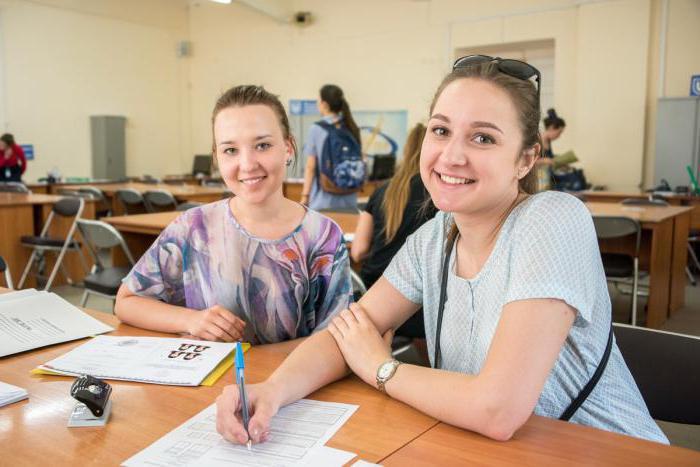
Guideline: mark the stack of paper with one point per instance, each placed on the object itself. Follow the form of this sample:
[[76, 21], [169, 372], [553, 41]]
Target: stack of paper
[[297, 436], [30, 319], [10, 394], [157, 360]]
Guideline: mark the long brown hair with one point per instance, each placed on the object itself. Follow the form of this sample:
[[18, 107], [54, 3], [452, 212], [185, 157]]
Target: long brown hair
[[334, 97], [399, 187], [523, 94], [248, 94]]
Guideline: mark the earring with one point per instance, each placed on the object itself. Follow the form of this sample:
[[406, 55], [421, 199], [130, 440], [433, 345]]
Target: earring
[[289, 162]]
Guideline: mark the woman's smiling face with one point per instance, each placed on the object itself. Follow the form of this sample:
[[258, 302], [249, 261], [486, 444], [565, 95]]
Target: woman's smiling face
[[251, 151], [470, 158]]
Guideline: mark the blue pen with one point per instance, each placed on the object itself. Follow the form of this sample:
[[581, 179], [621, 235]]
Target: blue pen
[[240, 381]]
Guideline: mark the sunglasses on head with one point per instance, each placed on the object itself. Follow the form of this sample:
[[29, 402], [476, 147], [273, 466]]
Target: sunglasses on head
[[510, 67]]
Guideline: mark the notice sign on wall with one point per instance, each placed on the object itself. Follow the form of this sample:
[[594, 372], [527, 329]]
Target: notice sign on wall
[[695, 85], [28, 151]]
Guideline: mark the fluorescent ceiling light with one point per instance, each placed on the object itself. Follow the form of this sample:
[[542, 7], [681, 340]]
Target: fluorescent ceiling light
[[222, 1]]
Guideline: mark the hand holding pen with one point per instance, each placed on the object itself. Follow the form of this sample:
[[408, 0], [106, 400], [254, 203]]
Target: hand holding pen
[[240, 381]]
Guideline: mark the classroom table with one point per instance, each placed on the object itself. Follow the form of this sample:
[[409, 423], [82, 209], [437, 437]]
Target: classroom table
[[663, 252], [674, 199], [140, 230], [293, 187], [34, 432], [182, 193], [25, 214]]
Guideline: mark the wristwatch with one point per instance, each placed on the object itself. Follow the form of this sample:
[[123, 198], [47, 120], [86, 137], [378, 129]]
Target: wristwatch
[[385, 372]]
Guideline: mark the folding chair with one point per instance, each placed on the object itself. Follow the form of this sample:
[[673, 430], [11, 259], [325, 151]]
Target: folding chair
[[619, 265], [103, 280], [666, 368], [5, 270], [131, 200], [14, 187], [65, 207], [103, 209], [159, 201]]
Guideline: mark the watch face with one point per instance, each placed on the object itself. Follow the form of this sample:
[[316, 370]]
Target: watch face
[[385, 370]]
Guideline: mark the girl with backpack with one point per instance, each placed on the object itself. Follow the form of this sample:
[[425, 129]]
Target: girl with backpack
[[256, 267], [331, 140]]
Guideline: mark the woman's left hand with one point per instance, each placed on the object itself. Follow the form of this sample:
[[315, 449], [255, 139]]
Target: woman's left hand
[[363, 348]]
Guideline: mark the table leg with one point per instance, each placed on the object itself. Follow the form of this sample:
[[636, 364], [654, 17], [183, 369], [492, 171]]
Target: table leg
[[681, 229], [659, 273]]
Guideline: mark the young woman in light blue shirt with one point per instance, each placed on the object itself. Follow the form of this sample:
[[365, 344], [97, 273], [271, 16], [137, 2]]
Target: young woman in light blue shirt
[[524, 324]]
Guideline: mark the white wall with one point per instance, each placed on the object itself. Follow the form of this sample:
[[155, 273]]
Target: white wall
[[65, 61]]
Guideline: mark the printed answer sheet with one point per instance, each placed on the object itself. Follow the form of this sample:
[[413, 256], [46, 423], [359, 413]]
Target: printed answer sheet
[[158, 360], [297, 436], [30, 319]]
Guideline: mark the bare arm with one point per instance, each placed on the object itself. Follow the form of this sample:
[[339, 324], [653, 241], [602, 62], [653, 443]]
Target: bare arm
[[309, 172], [362, 241], [215, 323], [498, 400]]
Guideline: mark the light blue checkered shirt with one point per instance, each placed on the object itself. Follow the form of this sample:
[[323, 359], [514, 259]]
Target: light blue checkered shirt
[[547, 248]]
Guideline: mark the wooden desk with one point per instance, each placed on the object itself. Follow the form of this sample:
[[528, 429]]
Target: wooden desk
[[292, 188], [541, 442], [182, 193], [672, 199], [663, 252], [34, 432], [25, 214], [140, 230]]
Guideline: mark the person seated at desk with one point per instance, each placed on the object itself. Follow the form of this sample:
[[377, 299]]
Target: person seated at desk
[[256, 267], [13, 162], [394, 211], [523, 325]]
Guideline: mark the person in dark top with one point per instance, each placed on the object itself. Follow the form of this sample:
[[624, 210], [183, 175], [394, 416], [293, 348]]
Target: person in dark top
[[553, 127], [13, 163], [394, 211]]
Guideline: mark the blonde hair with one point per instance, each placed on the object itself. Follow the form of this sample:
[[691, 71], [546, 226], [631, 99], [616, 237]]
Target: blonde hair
[[399, 187]]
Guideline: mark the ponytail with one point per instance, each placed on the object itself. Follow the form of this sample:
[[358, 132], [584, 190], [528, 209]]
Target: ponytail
[[350, 122]]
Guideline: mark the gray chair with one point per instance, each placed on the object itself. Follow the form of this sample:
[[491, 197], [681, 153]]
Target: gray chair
[[132, 201], [102, 209], [69, 207], [358, 285], [188, 205], [103, 280], [619, 265], [693, 238], [5, 270], [666, 368], [14, 187], [159, 201]]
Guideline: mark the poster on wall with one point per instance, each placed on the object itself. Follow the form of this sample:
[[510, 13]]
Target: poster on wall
[[695, 85], [28, 151]]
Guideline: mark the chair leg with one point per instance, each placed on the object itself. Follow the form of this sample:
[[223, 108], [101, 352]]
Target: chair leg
[[691, 277], [65, 274], [635, 286], [693, 256], [27, 268], [84, 299]]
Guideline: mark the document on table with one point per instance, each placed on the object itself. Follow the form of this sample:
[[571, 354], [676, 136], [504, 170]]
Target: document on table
[[10, 394], [297, 436], [30, 319], [157, 360]]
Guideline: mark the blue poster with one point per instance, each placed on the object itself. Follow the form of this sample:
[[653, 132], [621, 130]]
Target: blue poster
[[695, 85], [28, 151], [303, 107]]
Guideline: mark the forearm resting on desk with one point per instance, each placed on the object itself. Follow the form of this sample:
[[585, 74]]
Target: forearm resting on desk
[[314, 363], [149, 313]]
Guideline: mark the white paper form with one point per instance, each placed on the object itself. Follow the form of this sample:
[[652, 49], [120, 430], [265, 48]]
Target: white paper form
[[31, 319], [10, 394], [297, 435], [157, 360]]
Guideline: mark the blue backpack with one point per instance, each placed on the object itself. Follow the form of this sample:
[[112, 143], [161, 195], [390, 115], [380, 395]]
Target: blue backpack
[[341, 168]]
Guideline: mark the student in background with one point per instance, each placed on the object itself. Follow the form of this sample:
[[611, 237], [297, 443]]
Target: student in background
[[256, 267], [521, 332], [394, 211], [553, 128], [13, 163], [334, 110]]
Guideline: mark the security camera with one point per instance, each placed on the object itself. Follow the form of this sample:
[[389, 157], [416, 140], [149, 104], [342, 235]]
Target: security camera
[[302, 18]]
